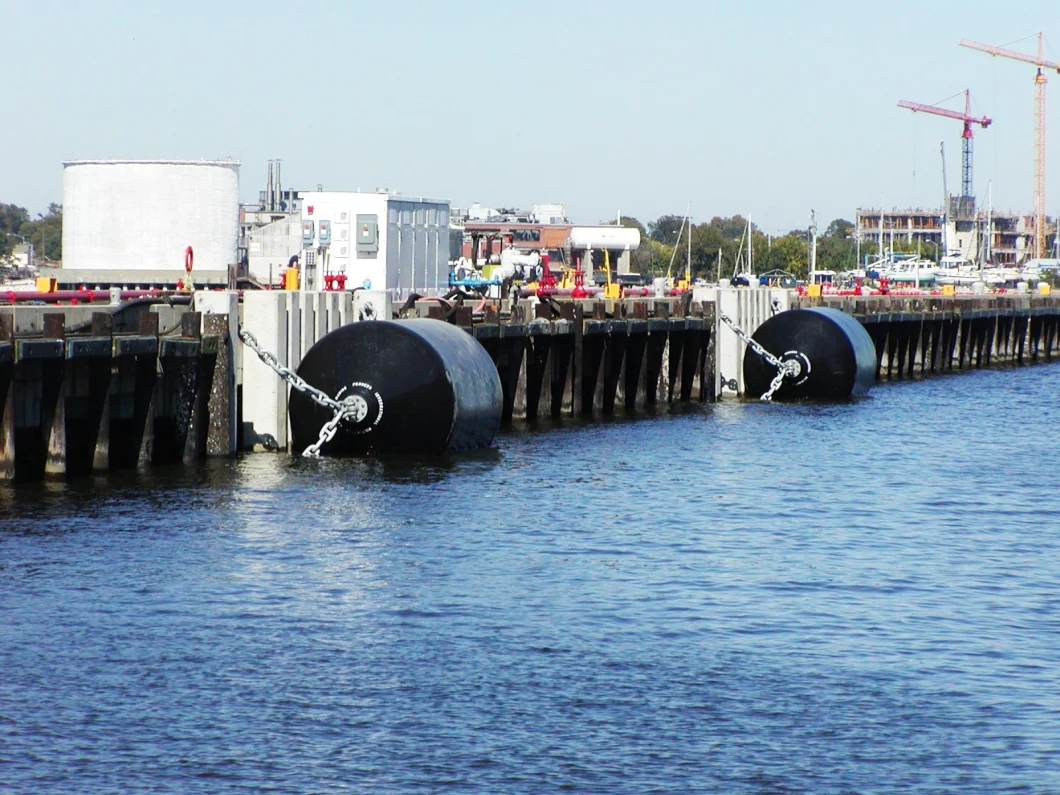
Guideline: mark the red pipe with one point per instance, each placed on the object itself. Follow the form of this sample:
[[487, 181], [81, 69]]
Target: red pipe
[[88, 296]]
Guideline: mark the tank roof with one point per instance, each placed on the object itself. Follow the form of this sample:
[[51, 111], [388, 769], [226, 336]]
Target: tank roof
[[151, 162]]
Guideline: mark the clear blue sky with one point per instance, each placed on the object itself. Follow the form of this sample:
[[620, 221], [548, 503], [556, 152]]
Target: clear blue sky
[[767, 108]]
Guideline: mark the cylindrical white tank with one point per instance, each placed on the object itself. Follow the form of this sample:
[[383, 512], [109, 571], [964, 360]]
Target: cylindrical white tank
[[512, 257], [611, 237], [143, 214]]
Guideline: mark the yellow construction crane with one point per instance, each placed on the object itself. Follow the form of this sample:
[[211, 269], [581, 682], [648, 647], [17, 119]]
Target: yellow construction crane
[[1039, 125]]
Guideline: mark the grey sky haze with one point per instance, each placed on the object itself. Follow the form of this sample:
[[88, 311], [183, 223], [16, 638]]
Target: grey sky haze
[[761, 108]]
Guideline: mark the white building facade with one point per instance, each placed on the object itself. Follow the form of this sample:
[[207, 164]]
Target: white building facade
[[376, 240]]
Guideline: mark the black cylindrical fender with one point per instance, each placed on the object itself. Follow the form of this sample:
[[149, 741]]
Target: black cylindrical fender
[[418, 386], [835, 353]]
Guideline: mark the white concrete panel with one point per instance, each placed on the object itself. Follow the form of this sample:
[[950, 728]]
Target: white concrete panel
[[748, 308], [271, 247], [308, 328], [338, 310], [320, 314], [264, 392], [371, 305]]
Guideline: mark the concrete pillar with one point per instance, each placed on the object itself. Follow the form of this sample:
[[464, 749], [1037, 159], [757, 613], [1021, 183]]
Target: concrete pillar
[[321, 304], [307, 329], [294, 345], [264, 392]]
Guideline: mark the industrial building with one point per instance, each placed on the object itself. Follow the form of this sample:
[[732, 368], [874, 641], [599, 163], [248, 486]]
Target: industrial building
[[545, 228], [378, 240], [270, 232], [961, 234]]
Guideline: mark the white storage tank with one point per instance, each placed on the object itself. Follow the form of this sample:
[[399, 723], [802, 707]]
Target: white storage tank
[[611, 237], [141, 215]]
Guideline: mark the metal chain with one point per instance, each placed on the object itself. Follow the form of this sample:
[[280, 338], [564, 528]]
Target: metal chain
[[789, 368], [342, 408], [327, 433], [751, 343]]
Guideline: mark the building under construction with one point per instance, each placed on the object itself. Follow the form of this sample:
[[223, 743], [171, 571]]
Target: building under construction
[[961, 233]]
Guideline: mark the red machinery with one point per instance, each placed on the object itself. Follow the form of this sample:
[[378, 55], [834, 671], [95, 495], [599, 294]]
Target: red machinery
[[547, 285], [579, 290]]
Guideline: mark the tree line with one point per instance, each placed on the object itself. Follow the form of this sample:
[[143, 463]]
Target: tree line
[[45, 231], [720, 248]]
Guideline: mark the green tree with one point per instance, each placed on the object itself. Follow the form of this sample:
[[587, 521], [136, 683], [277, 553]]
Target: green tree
[[789, 253], [11, 219], [732, 228], [665, 228], [45, 232], [840, 228]]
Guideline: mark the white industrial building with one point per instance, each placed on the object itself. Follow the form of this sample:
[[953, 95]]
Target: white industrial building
[[270, 246], [131, 221], [377, 240]]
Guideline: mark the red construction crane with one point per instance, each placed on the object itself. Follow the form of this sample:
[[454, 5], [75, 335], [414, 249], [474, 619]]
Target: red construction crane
[[966, 136], [1039, 125]]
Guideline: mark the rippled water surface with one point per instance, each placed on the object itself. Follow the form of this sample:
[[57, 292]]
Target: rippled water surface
[[744, 598]]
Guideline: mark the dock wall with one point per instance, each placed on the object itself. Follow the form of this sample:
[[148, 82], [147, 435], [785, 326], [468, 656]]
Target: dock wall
[[917, 336], [94, 388], [99, 387], [575, 358]]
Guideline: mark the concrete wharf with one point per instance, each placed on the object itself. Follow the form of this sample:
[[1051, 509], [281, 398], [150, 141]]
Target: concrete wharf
[[164, 379], [588, 359], [917, 336]]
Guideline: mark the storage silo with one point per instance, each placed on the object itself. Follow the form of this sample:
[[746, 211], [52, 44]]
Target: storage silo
[[141, 215]]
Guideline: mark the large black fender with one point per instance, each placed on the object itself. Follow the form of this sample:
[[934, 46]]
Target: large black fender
[[417, 386], [836, 357]]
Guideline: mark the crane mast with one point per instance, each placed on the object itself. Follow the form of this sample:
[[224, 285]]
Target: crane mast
[[966, 147], [1040, 82]]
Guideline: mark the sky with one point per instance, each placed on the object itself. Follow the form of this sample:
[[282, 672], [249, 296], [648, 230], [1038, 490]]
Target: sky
[[768, 109]]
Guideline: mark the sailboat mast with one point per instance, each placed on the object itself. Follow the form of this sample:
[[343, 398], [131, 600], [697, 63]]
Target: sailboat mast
[[989, 246], [880, 249], [813, 246], [750, 250], [688, 260]]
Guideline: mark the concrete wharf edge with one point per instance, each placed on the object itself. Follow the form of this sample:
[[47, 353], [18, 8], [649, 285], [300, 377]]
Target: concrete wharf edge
[[86, 389]]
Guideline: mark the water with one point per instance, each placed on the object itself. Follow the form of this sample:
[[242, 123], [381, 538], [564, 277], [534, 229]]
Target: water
[[745, 598]]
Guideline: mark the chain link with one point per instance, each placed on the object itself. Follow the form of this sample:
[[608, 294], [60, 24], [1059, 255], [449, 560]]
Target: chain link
[[342, 408], [789, 368], [327, 433], [750, 342]]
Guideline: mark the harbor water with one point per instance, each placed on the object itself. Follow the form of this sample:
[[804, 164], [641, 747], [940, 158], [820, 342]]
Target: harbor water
[[739, 598]]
